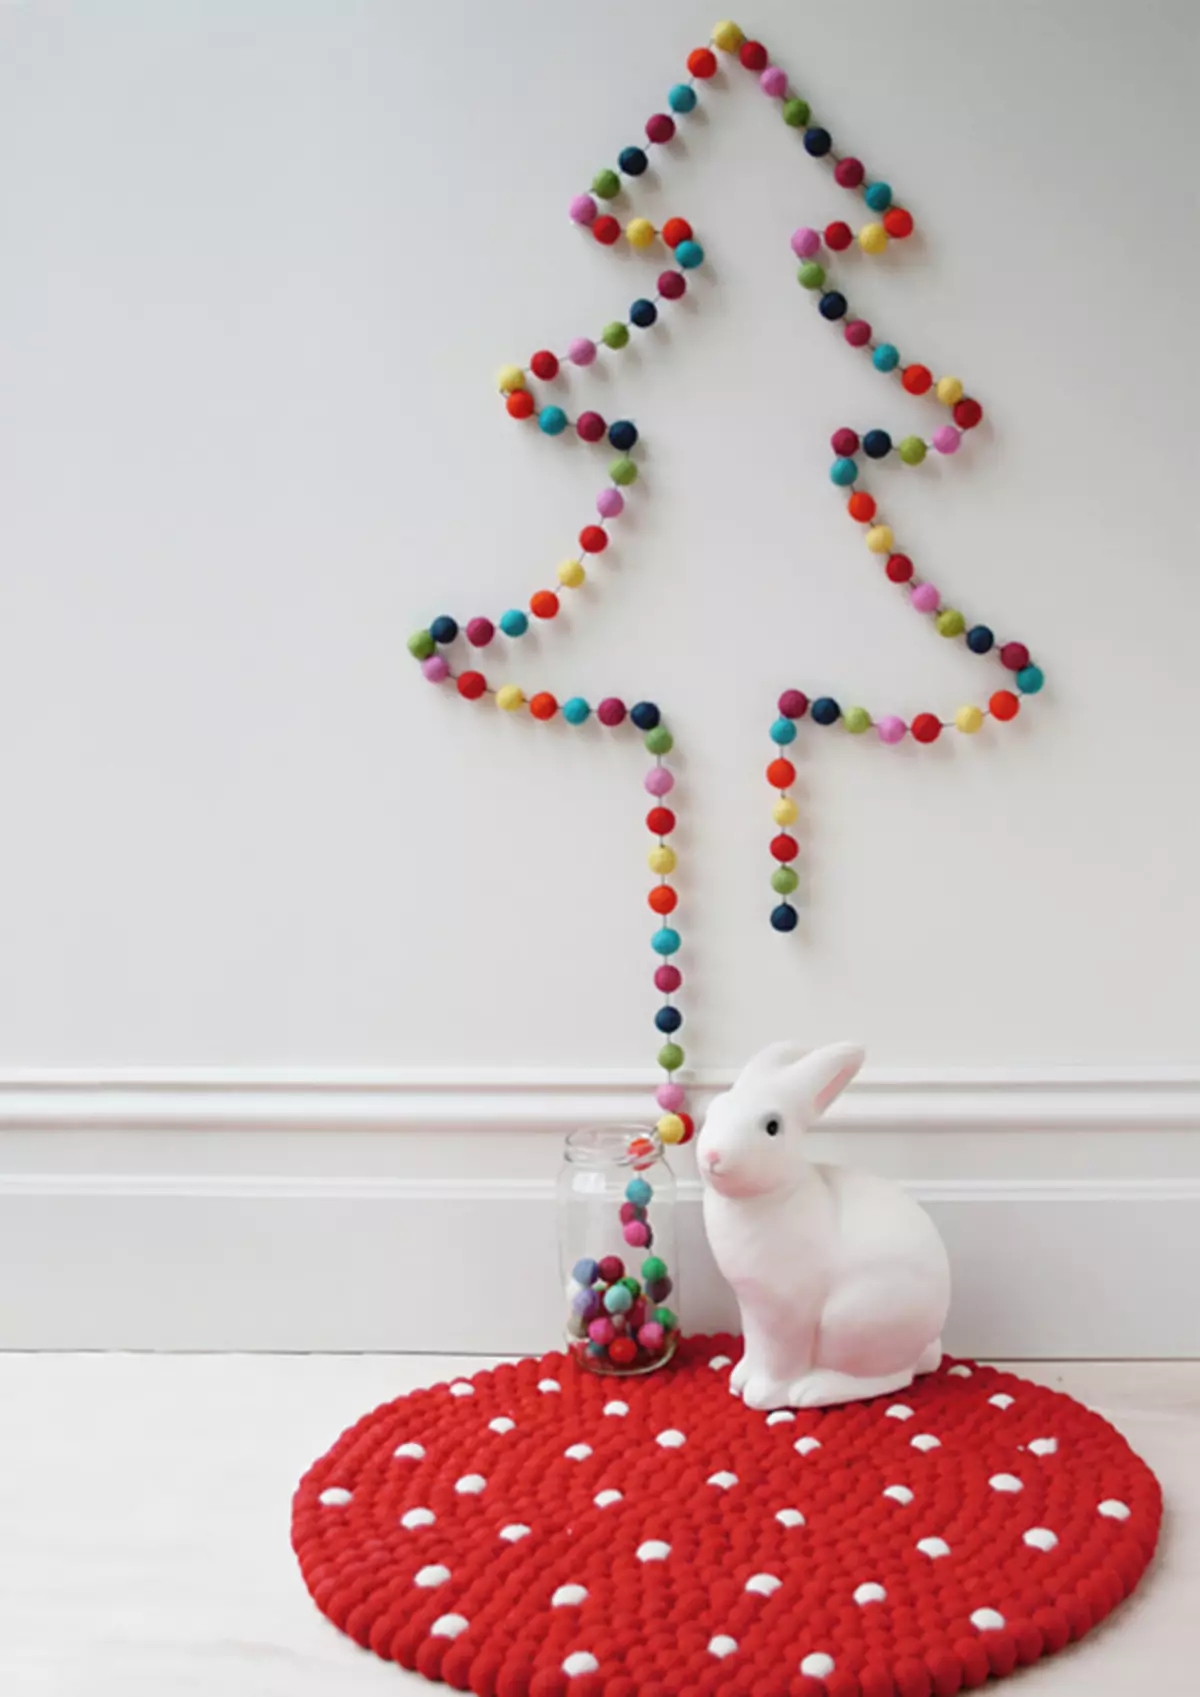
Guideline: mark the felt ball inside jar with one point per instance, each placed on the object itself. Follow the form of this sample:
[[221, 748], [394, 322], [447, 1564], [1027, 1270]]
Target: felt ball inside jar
[[610, 1269], [651, 1336], [576, 1326], [666, 1318], [586, 1304], [659, 1289], [623, 1351], [637, 1234], [637, 1314], [617, 1299], [586, 1271], [602, 1331]]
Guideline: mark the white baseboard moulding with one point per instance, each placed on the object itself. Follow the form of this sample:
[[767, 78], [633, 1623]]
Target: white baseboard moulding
[[135, 1211]]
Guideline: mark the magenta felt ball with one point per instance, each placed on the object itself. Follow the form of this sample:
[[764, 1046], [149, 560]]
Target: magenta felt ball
[[671, 284], [610, 711], [581, 351], [805, 242], [844, 442], [667, 978], [925, 598], [435, 668], [890, 728], [848, 173], [602, 1331], [590, 426], [480, 632], [611, 1269], [651, 1336], [610, 502], [946, 439], [637, 1234], [857, 332], [660, 128], [774, 82], [670, 1097], [631, 1212], [793, 704], [659, 781], [582, 209], [637, 1315]]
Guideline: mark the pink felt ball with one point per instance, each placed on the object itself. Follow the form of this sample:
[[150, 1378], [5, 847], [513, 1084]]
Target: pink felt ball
[[435, 668], [611, 711], [610, 502], [857, 332], [946, 439], [774, 82], [805, 242], [891, 729], [590, 426], [631, 1212], [671, 284], [637, 1234], [659, 781], [670, 1097], [582, 209], [925, 598], [602, 1331], [660, 128], [667, 978], [480, 632], [848, 173], [650, 1336], [581, 351]]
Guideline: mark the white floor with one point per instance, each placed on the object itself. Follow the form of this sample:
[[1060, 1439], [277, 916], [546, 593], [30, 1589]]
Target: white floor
[[144, 1509]]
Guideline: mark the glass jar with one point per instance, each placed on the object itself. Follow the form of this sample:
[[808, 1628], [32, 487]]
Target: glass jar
[[616, 1243]]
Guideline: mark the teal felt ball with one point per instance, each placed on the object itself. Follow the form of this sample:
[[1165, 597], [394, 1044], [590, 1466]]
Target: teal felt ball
[[576, 710]]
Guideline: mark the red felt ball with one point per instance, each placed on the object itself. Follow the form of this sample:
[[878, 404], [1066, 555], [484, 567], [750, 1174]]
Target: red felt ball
[[544, 364], [590, 426], [899, 568], [606, 229], [593, 539], [663, 899], [519, 403], [861, 506], [660, 128], [753, 55], [661, 821], [671, 285], [926, 727], [689, 1128], [793, 704], [676, 230], [898, 222], [471, 685], [702, 63], [848, 173], [544, 604], [784, 847], [622, 1350], [844, 441], [543, 705], [1014, 655], [917, 379], [838, 235], [781, 774], [611, 1269], [967, 413], [1004, 704]]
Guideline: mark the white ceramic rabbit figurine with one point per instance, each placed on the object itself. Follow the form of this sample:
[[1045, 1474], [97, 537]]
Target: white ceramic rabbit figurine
[[842, 1280]]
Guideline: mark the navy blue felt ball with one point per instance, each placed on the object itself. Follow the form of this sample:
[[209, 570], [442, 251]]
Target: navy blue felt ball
[[818, 142], [876, 444], [825, 710], [622, 434], [832, 304], [979, 639], [668, 1019], [645, 715], [444, 629], [784, 917], [643, 313], [632, 161]]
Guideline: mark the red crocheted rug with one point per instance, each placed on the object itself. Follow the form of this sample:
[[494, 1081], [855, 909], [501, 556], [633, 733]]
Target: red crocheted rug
[[539, 1530]]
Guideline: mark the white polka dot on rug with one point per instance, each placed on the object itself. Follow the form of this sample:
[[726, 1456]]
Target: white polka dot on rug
[[1040, 1538], [722, 1645], [410, 1452], [719, 1361], [460, 1387], [514, 1533], [899, 1411], [569, 1596], [414, 1518], [781, 1417], [988, 1620], [933, 1547], [605, 1499], [579, 1662], [428, 1577], [763, 1584], [671, 1439], [1111, 1509], [618, 1409], [578, 1452], [1006, 1482], [470, 1484], [898, 1493], [548, 1386], [818, 1664], [501, 1424], [926, 1441], [1043, 1446], [790, 1517], [653, 1550], [334, 1496], [723, 1481], [1002, 1400], [870, 1592], [806, 1445], [448, 1626], [958, 1372]]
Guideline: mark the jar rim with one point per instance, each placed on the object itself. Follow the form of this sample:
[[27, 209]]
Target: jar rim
[[609, 1145]]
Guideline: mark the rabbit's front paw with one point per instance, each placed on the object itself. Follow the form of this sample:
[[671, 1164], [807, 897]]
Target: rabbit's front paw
[[764, 1393], [740, 1374]]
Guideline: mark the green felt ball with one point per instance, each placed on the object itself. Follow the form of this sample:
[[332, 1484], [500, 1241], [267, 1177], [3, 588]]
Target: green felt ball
[[615, 335], [796, 112], [856, 719], [911, 450], [670, 1057], [667, 1318], [950, 622], [654, 1267], [421, 644], [623, 471], [606, 184], [659, 740], [784, 880], [810, 275], [631, 1285]]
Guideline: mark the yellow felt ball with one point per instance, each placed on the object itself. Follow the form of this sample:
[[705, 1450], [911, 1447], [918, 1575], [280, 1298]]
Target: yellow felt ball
[[640, 232], [872, 238], [785, 811], [880, 539], [571, 573], [949, 390], [727, 36], [968, 719], [510, 697], [671, 1128], [662, 859], [510, 377]]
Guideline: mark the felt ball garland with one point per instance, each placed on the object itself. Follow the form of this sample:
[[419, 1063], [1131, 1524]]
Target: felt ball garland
[[886, 222]]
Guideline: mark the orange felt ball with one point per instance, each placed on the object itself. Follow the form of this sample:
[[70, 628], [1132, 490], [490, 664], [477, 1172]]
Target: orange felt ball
[[663, 899], [519, 403], [543, 705], [781, 774], [861, 506], [917, 379], [702, 62], [544, 604], [1004, 704], [676, 230]]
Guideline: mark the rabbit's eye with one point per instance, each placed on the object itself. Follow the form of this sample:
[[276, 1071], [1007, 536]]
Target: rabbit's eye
[[772, 1127]]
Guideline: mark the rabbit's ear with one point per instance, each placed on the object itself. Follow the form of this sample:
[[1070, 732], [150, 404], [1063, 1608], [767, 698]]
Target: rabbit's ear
[[772, 1063], [820, 1078]]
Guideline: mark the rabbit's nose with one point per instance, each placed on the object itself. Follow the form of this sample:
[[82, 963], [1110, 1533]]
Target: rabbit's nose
[[712, 1160]]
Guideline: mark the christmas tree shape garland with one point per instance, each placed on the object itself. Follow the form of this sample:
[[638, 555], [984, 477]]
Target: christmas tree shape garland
[[886, 221]]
